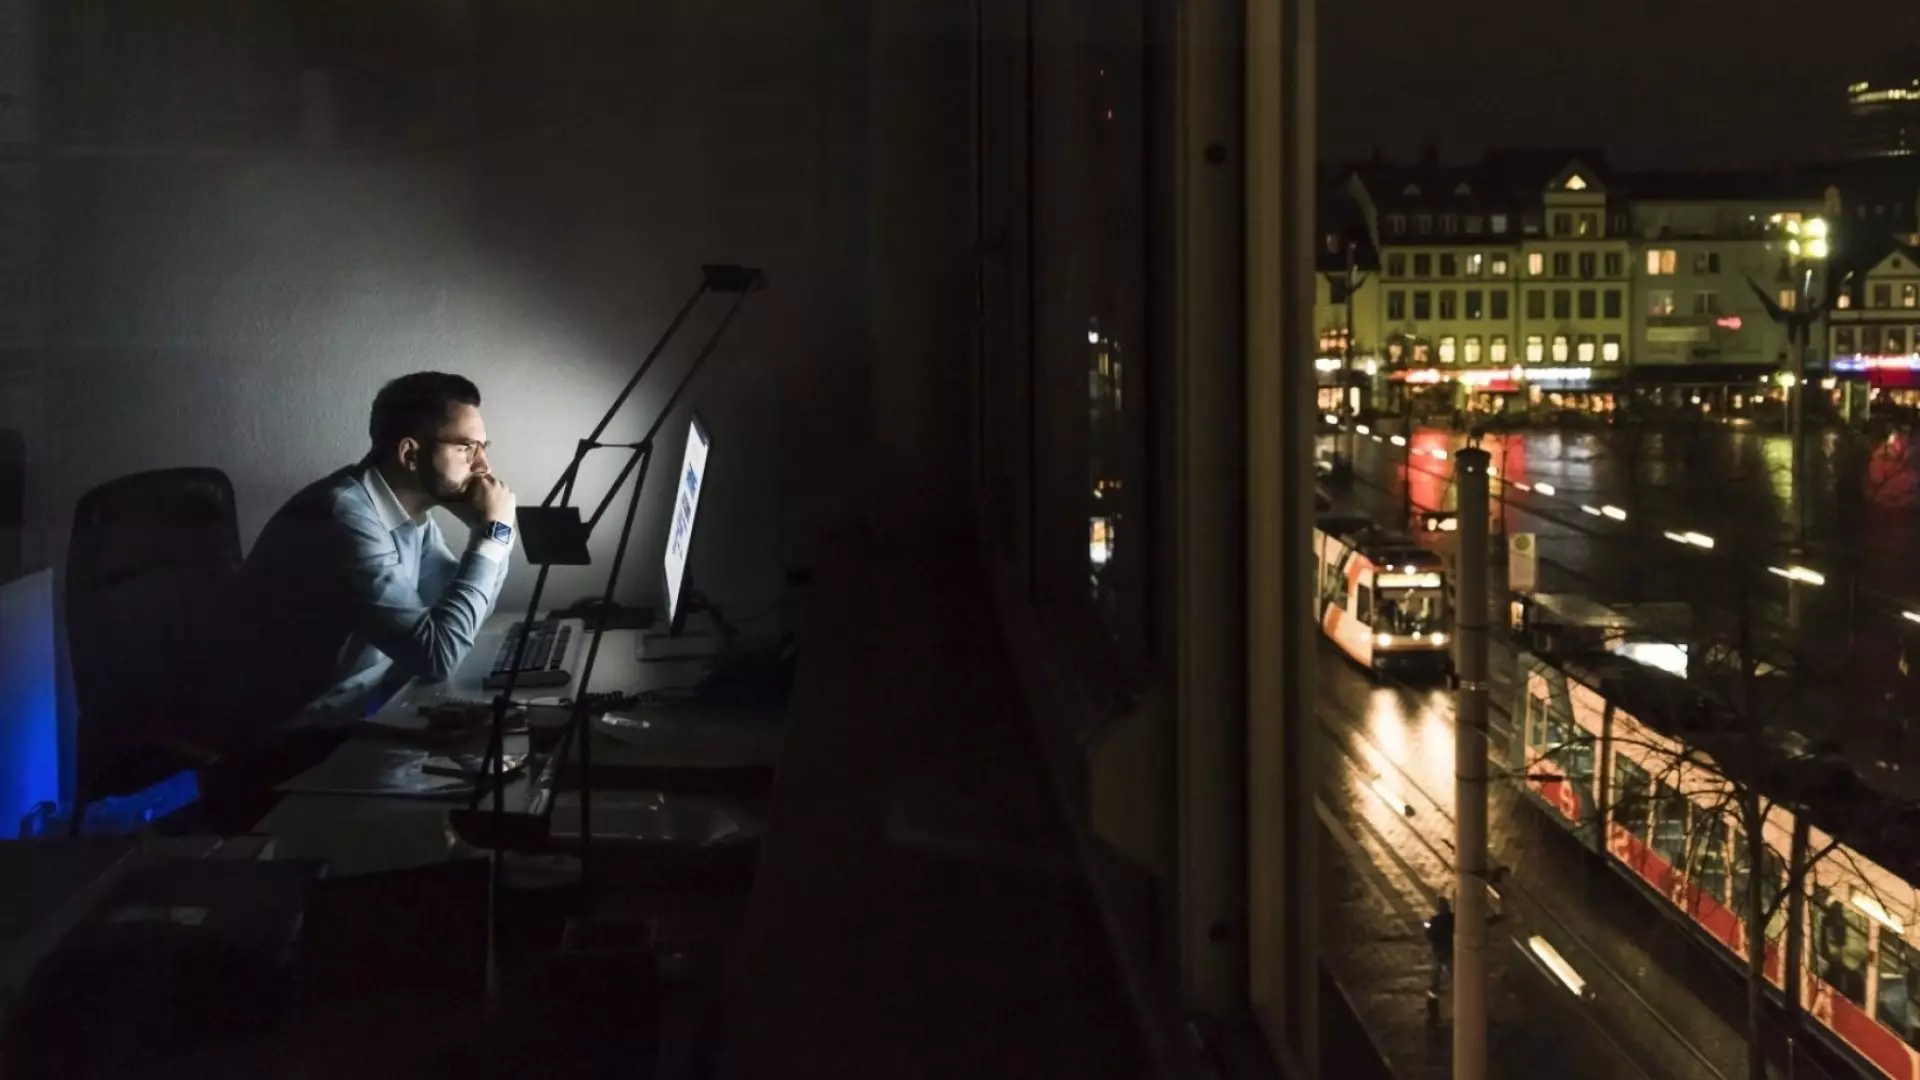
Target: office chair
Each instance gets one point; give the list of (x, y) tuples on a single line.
[(151, 569)]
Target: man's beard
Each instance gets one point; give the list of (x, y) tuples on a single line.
[(442, 490)]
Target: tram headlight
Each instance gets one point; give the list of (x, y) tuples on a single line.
[(1383, 640)]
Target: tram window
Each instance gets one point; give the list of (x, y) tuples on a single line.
[(1840, 946), (1632, 791), (1571, 752), (1537, 722), (1899, 976), (1670, 826), (1771, 879), (1364, 605), (1710, 856), (1334, 586)]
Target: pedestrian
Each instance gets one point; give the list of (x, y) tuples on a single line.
[(1440, 938)]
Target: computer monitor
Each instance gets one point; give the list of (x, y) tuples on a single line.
[(686, 508)]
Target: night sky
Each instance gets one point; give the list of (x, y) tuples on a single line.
[(1652, 82)]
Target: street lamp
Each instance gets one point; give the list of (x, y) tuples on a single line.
[(1807, 243)]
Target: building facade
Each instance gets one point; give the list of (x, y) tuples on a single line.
[(1873, 332), (1883, 118)]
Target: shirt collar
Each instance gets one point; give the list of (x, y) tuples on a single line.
[(385, 502)]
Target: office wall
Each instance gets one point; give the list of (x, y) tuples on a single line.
[(238, 305)]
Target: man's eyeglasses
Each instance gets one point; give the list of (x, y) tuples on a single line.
[(469, 447)]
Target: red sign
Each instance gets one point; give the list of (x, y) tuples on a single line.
[(1728, 322)]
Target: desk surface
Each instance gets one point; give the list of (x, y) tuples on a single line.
[(367, 833)]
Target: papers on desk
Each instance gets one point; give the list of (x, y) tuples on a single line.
[(369, 767)]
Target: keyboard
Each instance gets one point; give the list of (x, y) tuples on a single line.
[(545, 663)]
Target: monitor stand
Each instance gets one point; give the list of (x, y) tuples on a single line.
[(699, 639)]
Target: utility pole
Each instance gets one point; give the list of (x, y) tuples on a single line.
[(1470, 773)]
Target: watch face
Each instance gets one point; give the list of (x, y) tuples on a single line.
[(501, 531)]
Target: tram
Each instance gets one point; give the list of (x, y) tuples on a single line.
[(1597, 743), (1381, 597)]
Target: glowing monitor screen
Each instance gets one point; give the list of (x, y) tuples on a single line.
[(686, 504)]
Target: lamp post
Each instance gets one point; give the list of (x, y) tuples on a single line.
[(1807, 246)]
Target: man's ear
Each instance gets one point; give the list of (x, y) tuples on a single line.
[(408, 454)]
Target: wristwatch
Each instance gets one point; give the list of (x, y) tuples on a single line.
[(501, 531)]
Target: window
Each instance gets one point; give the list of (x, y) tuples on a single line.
[(1449, 264), (1563, 224), (1422, 352), (1632, 796), (1789, 300), (1536, 264), (1660, 302), (1396, 224), (1610, 348), (1449, 224), (1589, 225), (1497, 266), (1563, 303), (1670, 826), (1661, 261), (1706, 262), (1422, 304), (1423, 266), (1899, 981), (1449, 306), (1709, 870), (1396, 349), (1498, 222), (1773, 876), (1883, 296), (1397, 265), (1589, 304), (1587, 264), (1839, 945), (1423, 223), (1610, 307), (1396, 305), (1706, 302), (1584, 349), (1536, 303), (1474, 224), (1843, 301), (1472, 352), (1843, 340), (1499, 305), (1896, 340), (1536, 348), (1562, 264), (1475, 303), (1446, 349), (1870, 340), (1615, 264), (1910, 295), (1559, 348), (1476, 263), (1497, 349)]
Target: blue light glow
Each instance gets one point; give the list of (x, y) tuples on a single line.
[(29, 715)]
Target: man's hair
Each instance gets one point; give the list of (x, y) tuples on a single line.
[(412, 406)]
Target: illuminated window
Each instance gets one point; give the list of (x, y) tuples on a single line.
[(1706, 262), (1446, 348), (1910, 295), (1615, 264), (1610, 348), (1449, 264), (1563, 303), (1562, 264), (1706, 302), (1497, 349), (1575, 183), (1536, 264), (1589, 224), (1472, 352), (1476, 263), (1610, 309), (1499, 304), (1559, 348), (1896, 340), (1423, 304), (1498, 223), (1587, 265), (1536, 348), (1585, 349), (1396, 350), (1449, 304), (1476, 304), (1422, 352), (1661, 261), (1396, 305), (1423, 266), (1497, 266), (1843, 301), (1589, 304), (1660, 302), (1563, 224), (1397, 265), (1536, 303), (1788, 301), (1843, 341), (1883, 295)]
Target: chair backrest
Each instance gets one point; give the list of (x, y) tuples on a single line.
[(152, 567)]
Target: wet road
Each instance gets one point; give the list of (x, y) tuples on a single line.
[(1387, 807)]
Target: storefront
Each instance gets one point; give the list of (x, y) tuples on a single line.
[(1358, 384), (1513, 392), (1892, 383)]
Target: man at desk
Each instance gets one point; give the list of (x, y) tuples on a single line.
[(351, 589)]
